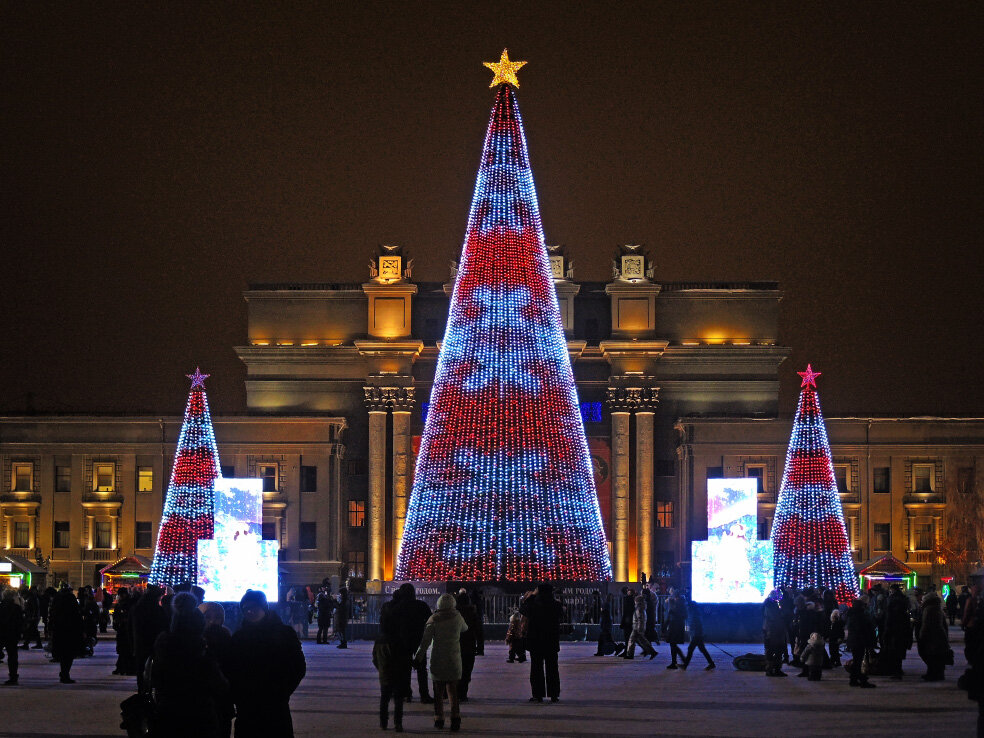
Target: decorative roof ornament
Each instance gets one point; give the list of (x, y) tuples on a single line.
[(632, 264), (387, 266)]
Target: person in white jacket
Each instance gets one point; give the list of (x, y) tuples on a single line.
[(443, 630)]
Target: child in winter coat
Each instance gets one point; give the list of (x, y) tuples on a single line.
[(812, 657), (516, 638), (836, 637)]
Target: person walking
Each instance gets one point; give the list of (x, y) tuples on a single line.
[(775, 631), (414, 614), (391, 659), (469, 642), (11, 627), (652, 621), (544, 615), (696, 637), (342, 617), (189, 688), (267, 665), (628, 607), (638, 634), (443, 630), (32, 619), (860, 639), (934, 640), (676, 627), (606, 643), (65, 619)]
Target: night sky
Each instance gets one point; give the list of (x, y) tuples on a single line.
[(158, 157)]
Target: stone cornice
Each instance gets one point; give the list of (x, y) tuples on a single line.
[(372, 347)]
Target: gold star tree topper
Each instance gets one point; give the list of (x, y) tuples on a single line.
[(505, 70)]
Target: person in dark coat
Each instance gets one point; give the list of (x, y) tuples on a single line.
[(326, 607), (544, 615), (478, 600), (414, 614), (836, 637), (774, 635), (148, 619), (606, 643), (391, 658), (628, 607), (897, 636), (218, 648), (861, 638), (121, 626), (11, 627), (342, 617), (65, 619), (787, 607), (90, 621), (676, 627), (652, 621), (934, 640), (469, 642), (190, 690), (951, 606), (267, 666), (697, 637), (811, 620), (32, 619)]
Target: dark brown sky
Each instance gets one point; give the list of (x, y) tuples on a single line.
[(157, 157)]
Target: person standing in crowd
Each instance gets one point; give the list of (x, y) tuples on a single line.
[(697, 637), (326, 607), (32, 619), (787, 607), (774, 634), (606, 643), (652, 620), (148, 619), (516, 638), (267, 665), (11, 627), (391, 658), (811, 620), (676, 627), (628, 607), (836, 637), (342, 617), (812, 657), (962, 600), (90, 620), (544, 615), (861, 639), (121, 626), (469, 642), (934, 640), (478, 600), (897, 635), (190, 690), (638, 634), (414, 615), (218, 648), (45, 604), (65, 618), (951, 606), (443, 630)]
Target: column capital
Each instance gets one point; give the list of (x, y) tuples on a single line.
[(632, 393), (381, 399)]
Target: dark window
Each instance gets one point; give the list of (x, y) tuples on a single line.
[(758, 474), (665, 467), (883, 537), (62, 529), (229, 471), (764, 528), (356, 514), (309, 479), (922, 477), (355, 467), (591, 412), (591, 332), (22, 535), (432, 329), (715, 472), (882, 482), (268, 473), (356, 563), (269, 531), (841, 472), (309, 535), (102, 535), (965, 480), (63, 479), (144, 534), (23, 477)]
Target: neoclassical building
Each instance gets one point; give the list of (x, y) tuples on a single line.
[(678, 382)]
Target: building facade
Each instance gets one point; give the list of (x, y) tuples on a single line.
[(677, 382)]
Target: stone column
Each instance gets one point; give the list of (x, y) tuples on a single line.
[(377, 493), (620, 495), (402, 451), (338, 507), (644, 450)]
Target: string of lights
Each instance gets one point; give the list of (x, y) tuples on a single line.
[(808, 535), (189, 504), (503, 487)]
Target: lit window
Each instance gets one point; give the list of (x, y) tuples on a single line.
[(664, 514), (922, 477), (62, 534), (145, 479), (923, 535), (842, 476), (63, 479), (268, 473), (102, 534), (882, 537), (144, 537), (356, 563), (22, 535), (756, 472), (23, 477), (104, 477), (356, 514), (309, 535)]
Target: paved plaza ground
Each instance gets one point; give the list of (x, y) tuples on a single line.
[(599, 696)]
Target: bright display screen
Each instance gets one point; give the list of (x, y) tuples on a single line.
[(732, 565), (237, 558)]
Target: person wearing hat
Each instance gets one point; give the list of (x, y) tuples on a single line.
[(443, 630), (266, 666), (544, 615)]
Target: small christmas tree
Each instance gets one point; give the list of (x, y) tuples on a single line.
[(503, 487), (809, 538), (189, 505)]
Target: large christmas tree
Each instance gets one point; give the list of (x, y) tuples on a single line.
[(809, 539), (189, 505), (503, 487)]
